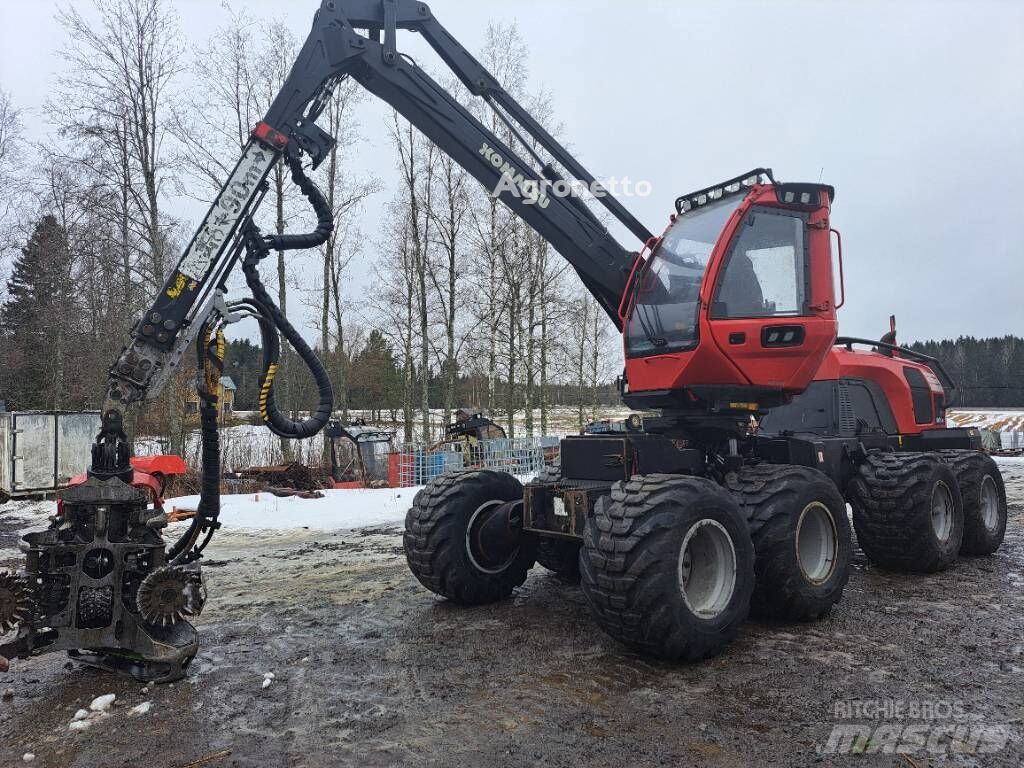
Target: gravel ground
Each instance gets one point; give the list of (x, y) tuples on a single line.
[(369, 669)]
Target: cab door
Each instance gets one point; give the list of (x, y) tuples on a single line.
[(772, 307)]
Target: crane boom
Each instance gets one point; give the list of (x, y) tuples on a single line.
[(334, 50)]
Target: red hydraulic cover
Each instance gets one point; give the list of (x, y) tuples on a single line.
[(159, 465)]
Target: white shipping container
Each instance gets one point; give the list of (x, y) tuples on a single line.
[(40, 451)]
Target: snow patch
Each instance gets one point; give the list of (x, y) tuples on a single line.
[(141, 709), (99, 709), (337, 510), (102, 703), (1009, 461)]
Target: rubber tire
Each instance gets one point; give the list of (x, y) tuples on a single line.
[(971, 468), (891, 499), (560, 556), (772, 498), (435, 537), (630, 565)]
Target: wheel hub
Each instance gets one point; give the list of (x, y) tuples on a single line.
[(989, 504), (493, 533), (707, 568), (817, 543), (942, 512)]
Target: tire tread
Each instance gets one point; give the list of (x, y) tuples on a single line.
[(770, 496), (891, 498), (627, 547), (434, 539)]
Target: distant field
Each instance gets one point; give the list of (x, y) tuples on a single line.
[(996, 419)]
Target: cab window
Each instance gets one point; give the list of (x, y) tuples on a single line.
[(666, 310), (765, 272)]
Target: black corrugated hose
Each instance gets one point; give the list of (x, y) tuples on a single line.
[(210, 353), (258, 247), (324, 215), (210, 361)]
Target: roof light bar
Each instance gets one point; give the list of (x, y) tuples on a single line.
[(803, 195), (791, 197), (734, 186)]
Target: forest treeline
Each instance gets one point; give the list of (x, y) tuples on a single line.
[(989, 373)]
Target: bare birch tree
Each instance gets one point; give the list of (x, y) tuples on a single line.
[(111, 105), (345, 196), (222, 110), (416, 164), (10, 161), (449, 212), (118, 78), (504, 55), (394, 303)]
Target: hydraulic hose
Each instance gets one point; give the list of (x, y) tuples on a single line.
[(273, 320), (324, 215), (210, 360)]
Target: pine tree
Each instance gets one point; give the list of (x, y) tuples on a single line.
[(37, 319), (375, 382)]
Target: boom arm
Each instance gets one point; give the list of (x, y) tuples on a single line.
[(333, 51)]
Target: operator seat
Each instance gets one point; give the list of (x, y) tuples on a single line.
[(741, 290)]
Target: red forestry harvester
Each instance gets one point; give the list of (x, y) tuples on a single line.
[(732, 499)]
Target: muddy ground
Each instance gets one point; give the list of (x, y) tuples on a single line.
[(372, 670)]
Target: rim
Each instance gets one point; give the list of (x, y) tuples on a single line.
[(478, 559), (707, 568), (989, 504), (817, 543), (942, 512)]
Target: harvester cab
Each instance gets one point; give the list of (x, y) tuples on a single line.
[(472, 428), (735, 308), (468, 434), (359, 454)]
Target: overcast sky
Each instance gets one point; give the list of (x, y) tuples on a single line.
[(913, 111)]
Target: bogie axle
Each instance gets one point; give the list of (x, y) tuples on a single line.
[(676, 543)]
